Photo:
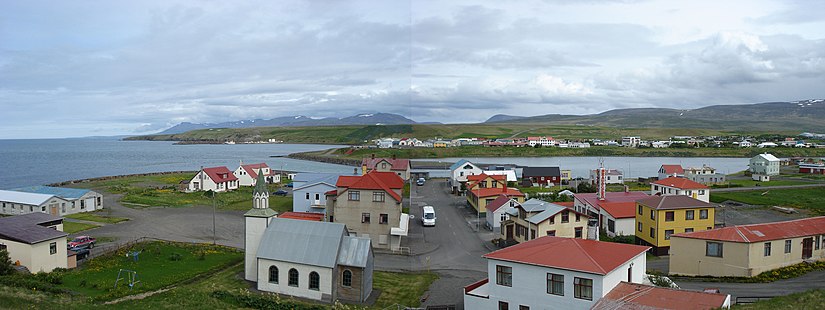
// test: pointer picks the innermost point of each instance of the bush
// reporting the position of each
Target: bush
(6, 267)
(262, 301)
(175, 257)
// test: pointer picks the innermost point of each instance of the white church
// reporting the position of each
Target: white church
(306, 259)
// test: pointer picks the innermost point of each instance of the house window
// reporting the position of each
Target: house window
(767, 249)
(640, 226)
(555, 284)
(317, 196)
(713, 249)
(503, 305)
(273, 274)
(669, 216)
(504, 275)
(640, 210)
(565, 216)
(494, 184)
(293, 277)
(787, 246)
(701, 192)
(307, 196)
(578, 232)
(523, 307)
(652, 233)
(816, 243)
(689, 215)
(578, 217)
(383, 165)
(378, 196)
(668, 233)
(583, 288)
(552, 220)
(314, 281)
(365, 217)
(52, 248)
(652, 215)
(611, 225)
(354, 195)
(688, 230)
(346, 278)
(551, 233)
(383, 218)
(703, 214)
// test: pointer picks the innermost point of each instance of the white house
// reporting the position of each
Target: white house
(766, 144)
(666, 171)
(218, 179)
(248, 174)
(497, 211)
(611, 176)
(16, 202)
(680, 186)
(542, 141)
(568, 273)
(763, 166)
(618, 218)
(309, 191)
(459, 172)
(510, 174)
(745, 143)
(631, 141)
(34, 240)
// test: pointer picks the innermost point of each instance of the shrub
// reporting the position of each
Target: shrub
(6, 267)
(175, 257)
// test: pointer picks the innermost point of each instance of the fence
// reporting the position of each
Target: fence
(751, 299)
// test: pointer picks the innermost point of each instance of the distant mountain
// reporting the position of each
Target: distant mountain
(295, 121)
(503, 118)
(806, 115)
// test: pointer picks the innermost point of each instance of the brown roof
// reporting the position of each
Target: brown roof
(498, 203)
(680, 183)
(29, 228)
(591, 199)
(220, 174)
(671, 169)
(395, 164)
(645, 297)
(670, 202)
(620, 210)
(763, 232)
(382, 180)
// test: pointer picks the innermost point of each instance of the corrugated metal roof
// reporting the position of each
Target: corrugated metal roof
(550, 210)
(355, 251)
(315, 179)
(540, 172)
(460, 163)
(632, 296)
(302, 242)
(62, 192)
(24, 197)
(762, 232)
(25, 228)
(535, 205)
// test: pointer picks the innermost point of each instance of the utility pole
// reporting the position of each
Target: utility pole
(214, 233)
(478, 206)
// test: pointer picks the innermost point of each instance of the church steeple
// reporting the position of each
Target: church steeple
(260, 196)
(256, 220)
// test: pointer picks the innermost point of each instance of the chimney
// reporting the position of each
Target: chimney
(393, 156)
(355, 171)
(372, 156)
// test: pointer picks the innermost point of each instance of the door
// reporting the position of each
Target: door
(509, 232)
(54, 210)
(807, 248)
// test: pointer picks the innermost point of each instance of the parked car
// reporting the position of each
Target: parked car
(428, 218)
(80, 253)
(82, 242)
(280, 192)
(420, 181)
(289, 184)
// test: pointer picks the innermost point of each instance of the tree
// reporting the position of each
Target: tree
(585, 187)
(6, 267)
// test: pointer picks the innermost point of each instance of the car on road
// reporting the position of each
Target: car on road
(80, 253)
(428, 218)
(82, 242)
(420, 181)
(280, 192)
(289, 185)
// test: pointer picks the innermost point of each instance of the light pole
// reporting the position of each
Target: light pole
(214, 233)
(478, 205)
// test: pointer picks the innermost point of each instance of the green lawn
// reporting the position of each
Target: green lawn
(96, 217)
(750, 183)
(401, 288)
(811, 199)
(72, 227)
(813, 300)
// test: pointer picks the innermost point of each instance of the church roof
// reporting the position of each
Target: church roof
(302, 242)
(260, 185)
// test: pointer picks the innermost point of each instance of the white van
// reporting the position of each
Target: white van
(428, 218)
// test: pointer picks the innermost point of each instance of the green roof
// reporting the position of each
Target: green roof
(257, 212)
(260, 184)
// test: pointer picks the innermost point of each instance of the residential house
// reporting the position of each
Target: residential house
(482, 189)
(631, 141)
(497, 211)
(705, 175)
(218, 179)
(34, 240)
(17, 202)
(567, 273)
(579, 145)
(763, 166)
(660, 217)
(666, 171)
(400, 167)
(748, 250)
(680, 186)
(618, 218)
(812, 168)
(541, 176)
(459, 173)
(308, 191)
(566, 175)
(766, 144)
(592, 205)
(248, 174)
(611, 176)
(370, 206)
(639, 296)
(745, 143)
(541, 141)
(535, 218)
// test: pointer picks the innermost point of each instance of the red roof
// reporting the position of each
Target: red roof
(220, 174)
(579, 254)
(591, 199)
(395, 164)
(487, 192)
(568, 204)
(498, 203)
(620, 210)
(680, 183)
(472, 180)
(671, 169)
(332, 192)
(645, 297)
(307, 216)
(762, 232)
(386, 181)
(672, 202)
(250, 169)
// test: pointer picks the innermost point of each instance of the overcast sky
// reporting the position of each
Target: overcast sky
(79, 68)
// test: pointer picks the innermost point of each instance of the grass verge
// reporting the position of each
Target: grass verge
(401, 288)
(72, 227)
(810, 199)
(813, 299)
(95, 217)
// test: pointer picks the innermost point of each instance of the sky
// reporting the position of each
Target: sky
(96, 68)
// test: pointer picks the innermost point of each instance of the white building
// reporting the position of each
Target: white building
(680, 186)
(218, 179)
(631, 141)
(35, 241)
(542, 141)
(618, 218)
(568, 273)
(497, 211)
(459, 172)
(309, 191)
(510, 174)
(77, 199)
(248, 174)
(611, 176)
(14, 202)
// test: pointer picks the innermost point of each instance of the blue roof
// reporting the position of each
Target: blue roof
(309, 179)
(458, 164)
(62, 192)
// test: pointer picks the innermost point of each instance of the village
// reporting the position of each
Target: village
(606, 243)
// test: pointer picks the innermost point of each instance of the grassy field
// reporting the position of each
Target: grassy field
(811, 199)
(96, 217)
(810, 300)
(401, 288)
(751, 183)
(72, 227)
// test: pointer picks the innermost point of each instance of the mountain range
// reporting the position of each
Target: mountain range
(297, 121)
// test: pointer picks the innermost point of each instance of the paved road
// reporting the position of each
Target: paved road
(765, 188)
(813, 280)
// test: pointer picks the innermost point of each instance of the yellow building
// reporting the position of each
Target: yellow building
(537, 218)
(659, 217)
(482, 189)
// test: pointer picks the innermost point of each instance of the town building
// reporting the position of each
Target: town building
(611, 176)
(618, 218)
(812, 168)
(16, 202)
(666, 171)
(482, 189)
(248, 174)
(34, 240)
(541, 141)
(370, 206)
(592, 204)
(497, 211)
(631, 141)
(747, 250)
(567, 273)
(459, 173)
(308, 191)
(660, 217)
(680, 186)
(400, 167)
(535, 218)
(763, 166)
(541, 176)
(705, 175)
(639, 296)
(77, 199)
(217, 179)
